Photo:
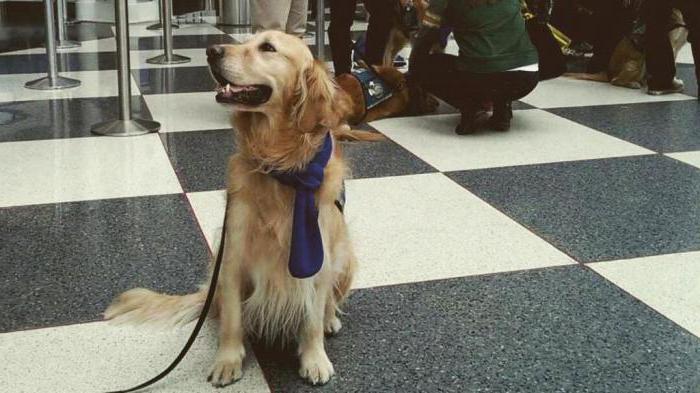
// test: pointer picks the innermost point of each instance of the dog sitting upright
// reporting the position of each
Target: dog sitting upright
(288, 262)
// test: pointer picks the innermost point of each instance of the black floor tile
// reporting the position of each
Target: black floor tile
(600, 209)
(660, 126)
(38, 63)
(181, 41)
(64, 263)
(87, 31)
(65, 118)
(200, 158)
(552, 330)
(381, 159)
(22, 26)
(174, 80)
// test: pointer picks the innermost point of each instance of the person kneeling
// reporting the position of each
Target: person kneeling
(497, 62)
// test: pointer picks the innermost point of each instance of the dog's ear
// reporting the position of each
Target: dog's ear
(321, 104)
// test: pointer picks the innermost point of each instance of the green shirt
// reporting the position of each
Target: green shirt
(491, 37)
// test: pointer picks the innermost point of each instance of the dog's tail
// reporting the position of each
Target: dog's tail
(346, 134)
(599, 77)
(143, 306)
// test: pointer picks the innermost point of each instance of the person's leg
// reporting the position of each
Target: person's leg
(691, 16)
(661, 66)
(696, 58)
(342, 12)
(613, 21)
(508, 87)
(298, 13)
(269, 14)
(378, 29)
(439, 75)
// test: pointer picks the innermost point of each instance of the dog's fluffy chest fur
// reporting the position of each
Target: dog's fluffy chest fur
(275, 303)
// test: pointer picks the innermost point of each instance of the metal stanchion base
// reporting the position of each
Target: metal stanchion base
(159, 26)
(67, 44)
(131, 127)
(162, 59)
(46, 83)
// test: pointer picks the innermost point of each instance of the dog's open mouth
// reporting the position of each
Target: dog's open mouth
(250, 95)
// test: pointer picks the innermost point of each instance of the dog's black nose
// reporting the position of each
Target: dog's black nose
(215, 52)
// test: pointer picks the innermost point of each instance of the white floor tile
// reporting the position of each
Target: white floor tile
(98, 357)
(567, 92)
(426, 227)
(690, 157)
(64, 170)
(536, 137)
(188, 111)
(685, 55)
(209, 207)
(93, 84)
(670, 284)
(90, 46)
(198, 58)
(139, 30)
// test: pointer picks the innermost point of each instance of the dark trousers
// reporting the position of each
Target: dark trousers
(612, 22)
(439, 75)
(342, 14)
(661, 64)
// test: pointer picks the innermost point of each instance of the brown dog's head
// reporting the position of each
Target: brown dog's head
(274, 74)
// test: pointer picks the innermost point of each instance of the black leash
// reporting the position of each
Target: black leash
(205, 310)
(200, 321)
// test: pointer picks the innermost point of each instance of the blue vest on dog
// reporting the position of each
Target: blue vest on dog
(374, 89)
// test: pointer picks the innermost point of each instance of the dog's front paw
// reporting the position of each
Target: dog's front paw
(333, 326)
(228, 368)
(316, 367)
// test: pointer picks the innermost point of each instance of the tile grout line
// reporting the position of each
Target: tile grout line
(583, 265)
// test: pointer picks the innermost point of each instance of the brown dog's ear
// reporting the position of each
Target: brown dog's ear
(320, 105)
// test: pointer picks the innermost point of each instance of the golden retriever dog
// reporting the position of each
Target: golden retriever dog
(627, 67)
(397, 104)
(284, 105)
(404, 100)
(400, 34)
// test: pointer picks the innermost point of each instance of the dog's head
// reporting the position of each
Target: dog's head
(276, 75)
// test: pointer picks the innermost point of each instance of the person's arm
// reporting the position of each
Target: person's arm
(428, 34)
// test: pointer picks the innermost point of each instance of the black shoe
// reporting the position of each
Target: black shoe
(500, 120)
(468, 123)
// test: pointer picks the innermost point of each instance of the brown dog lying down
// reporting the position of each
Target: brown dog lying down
(627, 67)
(403, 101)
(397, 104)
(284, 105)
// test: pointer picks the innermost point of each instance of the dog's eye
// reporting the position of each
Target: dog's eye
(267, 47)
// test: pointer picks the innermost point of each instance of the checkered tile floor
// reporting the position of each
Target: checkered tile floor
(562, 256)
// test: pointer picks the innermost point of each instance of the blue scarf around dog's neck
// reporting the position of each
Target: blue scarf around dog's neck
(306, 254)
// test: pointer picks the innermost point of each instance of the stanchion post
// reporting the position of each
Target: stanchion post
(63, 42)
(168, 57)
(126, 125)
(53, 81)
(320, 29)
(159, 25)
(67, 21)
